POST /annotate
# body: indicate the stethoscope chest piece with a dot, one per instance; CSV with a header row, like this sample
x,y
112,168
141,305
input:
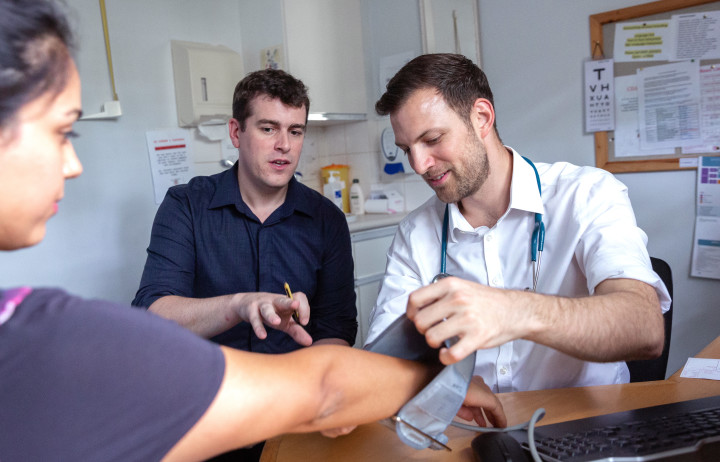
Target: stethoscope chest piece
x,y
440,276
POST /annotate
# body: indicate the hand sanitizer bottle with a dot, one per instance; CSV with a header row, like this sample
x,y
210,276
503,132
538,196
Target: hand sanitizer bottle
x,y
333,189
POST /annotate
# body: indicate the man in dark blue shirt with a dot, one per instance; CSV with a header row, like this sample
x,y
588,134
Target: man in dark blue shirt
x,y
223,246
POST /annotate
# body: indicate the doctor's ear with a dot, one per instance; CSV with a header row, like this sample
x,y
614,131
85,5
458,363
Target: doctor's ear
x,y
483,116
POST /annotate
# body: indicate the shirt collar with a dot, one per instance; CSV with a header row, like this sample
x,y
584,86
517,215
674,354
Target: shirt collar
x,y
524,195
9,300
228,193
298,199
524,192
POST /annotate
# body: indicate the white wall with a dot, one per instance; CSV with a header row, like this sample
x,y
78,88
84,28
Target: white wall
x,y
533,54
395,27
96,244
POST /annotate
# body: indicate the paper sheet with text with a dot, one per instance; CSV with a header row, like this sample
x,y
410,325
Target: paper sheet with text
x,y
706,242
700,368
169,159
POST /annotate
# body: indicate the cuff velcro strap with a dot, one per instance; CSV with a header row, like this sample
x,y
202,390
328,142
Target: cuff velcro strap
x,y
420,423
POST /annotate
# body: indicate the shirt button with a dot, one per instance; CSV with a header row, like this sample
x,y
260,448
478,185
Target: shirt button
x,y
495,281
489,237
503,371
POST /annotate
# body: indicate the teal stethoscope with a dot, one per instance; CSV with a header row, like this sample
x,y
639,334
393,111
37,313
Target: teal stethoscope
x,y
537,240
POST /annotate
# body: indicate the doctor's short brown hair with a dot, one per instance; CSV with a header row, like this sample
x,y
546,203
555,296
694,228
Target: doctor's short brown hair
x,y
460,82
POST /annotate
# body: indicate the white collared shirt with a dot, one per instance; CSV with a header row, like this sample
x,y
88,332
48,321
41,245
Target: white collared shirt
x,y
591,235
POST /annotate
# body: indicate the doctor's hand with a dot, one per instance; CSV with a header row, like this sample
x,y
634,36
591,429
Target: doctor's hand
x,y
480,316
482,406
275,310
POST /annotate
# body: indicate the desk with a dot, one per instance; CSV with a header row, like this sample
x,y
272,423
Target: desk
x,y
375,442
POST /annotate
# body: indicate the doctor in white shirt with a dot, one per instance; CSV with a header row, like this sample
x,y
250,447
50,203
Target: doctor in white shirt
x,y
552,280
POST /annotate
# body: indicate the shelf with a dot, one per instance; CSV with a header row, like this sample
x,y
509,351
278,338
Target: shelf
x,y
372,221
334,118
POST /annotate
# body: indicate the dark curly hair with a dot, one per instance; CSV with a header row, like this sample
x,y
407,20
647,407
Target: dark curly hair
x,y
271,82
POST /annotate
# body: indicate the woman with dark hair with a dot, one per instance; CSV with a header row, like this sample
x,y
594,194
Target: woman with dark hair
x,y
92,380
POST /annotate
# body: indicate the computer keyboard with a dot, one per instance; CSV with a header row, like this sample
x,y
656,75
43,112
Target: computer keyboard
x,y
685,431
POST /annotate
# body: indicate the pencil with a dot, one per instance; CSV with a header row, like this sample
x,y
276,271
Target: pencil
x,y
289,294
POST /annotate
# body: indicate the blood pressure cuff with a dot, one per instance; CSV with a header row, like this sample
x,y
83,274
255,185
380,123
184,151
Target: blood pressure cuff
x,y
431,410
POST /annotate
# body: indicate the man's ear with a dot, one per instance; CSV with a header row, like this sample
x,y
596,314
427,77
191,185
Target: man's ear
x,y
234,128
483,116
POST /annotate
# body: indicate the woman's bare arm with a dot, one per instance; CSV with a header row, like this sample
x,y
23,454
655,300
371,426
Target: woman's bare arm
x,y
324,387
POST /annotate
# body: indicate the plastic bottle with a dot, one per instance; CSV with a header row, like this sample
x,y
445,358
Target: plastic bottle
x,y
333,189
357,199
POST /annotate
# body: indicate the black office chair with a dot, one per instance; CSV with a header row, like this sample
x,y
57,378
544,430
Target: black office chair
x,y
654,369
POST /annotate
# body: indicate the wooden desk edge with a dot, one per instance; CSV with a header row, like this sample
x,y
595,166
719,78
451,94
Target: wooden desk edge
x,y
271,450
562,404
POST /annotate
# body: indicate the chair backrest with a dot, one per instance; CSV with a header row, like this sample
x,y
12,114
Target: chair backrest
x,y
655,369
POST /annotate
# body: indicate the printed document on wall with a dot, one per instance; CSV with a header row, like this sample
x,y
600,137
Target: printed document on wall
x,y
627,131
669,105
709,111
644,41
706,243
169,159
696,36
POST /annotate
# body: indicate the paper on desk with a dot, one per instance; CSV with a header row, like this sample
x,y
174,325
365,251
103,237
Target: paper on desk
x,y
700,368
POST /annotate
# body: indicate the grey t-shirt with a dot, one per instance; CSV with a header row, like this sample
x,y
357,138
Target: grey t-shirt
x,y
91,380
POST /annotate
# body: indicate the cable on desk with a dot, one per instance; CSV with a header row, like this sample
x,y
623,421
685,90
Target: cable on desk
x,y
529,425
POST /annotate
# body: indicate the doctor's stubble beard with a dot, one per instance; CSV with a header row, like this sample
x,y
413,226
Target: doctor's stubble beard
x,y
469,174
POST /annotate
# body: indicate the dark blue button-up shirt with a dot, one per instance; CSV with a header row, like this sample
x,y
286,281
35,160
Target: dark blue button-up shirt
x,y
207,242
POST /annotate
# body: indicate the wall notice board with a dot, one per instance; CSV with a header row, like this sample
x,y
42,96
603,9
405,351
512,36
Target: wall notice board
x,y
602,34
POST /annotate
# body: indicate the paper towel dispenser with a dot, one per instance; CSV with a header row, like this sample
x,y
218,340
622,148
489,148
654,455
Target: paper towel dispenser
x,y
205,78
